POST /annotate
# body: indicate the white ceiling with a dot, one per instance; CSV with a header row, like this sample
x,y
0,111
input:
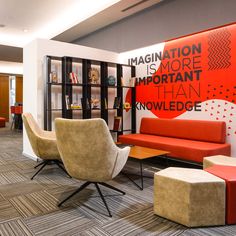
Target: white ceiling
x,y
62,20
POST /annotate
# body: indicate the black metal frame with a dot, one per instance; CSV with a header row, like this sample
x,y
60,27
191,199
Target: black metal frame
x,y
49,162
141,176
67,89
99,191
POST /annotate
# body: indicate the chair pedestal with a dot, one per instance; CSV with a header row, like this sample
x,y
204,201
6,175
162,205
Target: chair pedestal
x,y
49,162
99,191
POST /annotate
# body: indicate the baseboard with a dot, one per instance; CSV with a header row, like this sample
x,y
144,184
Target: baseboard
x,y
30,156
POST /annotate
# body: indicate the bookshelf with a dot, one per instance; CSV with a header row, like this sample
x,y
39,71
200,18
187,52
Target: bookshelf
x,y
84,84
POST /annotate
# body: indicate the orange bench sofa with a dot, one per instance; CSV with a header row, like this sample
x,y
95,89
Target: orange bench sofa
x,y
189,140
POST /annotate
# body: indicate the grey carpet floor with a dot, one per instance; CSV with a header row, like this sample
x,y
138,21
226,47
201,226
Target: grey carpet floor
x,y
30,207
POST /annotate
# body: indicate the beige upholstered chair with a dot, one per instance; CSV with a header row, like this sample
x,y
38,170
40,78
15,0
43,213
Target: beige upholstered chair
x,y
43,143
89,153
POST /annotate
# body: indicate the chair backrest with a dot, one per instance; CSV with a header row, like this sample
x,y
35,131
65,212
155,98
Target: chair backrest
x,y
33,131
88,150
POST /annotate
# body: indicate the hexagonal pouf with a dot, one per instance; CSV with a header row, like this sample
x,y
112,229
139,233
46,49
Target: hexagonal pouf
x,y
190,197
218,160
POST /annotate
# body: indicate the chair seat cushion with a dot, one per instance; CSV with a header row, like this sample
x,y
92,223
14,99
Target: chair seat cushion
x,y
190,150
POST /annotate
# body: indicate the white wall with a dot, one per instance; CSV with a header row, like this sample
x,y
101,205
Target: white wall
x,y
34,74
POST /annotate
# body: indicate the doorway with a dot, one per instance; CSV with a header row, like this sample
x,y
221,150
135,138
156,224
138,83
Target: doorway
x,y
11,93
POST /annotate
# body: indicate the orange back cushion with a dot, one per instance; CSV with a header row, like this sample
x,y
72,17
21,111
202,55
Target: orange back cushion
x,y
202,130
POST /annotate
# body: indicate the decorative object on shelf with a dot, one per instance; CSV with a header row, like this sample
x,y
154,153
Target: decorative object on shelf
x,y
117,123
111,80
126,105
53,77
68,105
93,76
74,78
117,102
95,103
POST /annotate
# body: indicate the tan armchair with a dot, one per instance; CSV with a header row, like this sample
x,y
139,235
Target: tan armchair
x,y
89,153
43,143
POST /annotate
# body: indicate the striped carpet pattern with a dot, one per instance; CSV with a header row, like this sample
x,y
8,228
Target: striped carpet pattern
x,y
29,208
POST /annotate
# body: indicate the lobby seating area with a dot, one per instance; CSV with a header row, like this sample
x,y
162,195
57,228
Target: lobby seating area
x,y
30,207
118,118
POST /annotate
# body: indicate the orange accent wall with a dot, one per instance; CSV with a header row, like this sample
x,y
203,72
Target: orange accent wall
x,y
19,89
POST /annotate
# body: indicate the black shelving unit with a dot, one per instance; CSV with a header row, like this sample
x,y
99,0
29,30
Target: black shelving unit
x,y
87,89
49,85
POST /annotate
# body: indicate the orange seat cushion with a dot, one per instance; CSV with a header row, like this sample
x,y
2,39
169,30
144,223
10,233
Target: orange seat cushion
x,y
186,149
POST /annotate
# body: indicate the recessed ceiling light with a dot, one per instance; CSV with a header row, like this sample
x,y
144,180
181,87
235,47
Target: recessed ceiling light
x,y
25,30
2,25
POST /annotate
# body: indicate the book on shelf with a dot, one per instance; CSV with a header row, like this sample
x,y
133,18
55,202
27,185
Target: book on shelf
x,y
117,102
122,81
74,78
75,106
131,82
68,105
105,103
117,123
85,103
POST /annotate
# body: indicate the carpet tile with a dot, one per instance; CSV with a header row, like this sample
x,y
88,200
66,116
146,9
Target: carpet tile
x,y
29,207
34,203
65,222
15,228
7,211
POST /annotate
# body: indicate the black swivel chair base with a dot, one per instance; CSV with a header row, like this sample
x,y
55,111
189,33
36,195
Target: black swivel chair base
x,y
49,162
99,191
